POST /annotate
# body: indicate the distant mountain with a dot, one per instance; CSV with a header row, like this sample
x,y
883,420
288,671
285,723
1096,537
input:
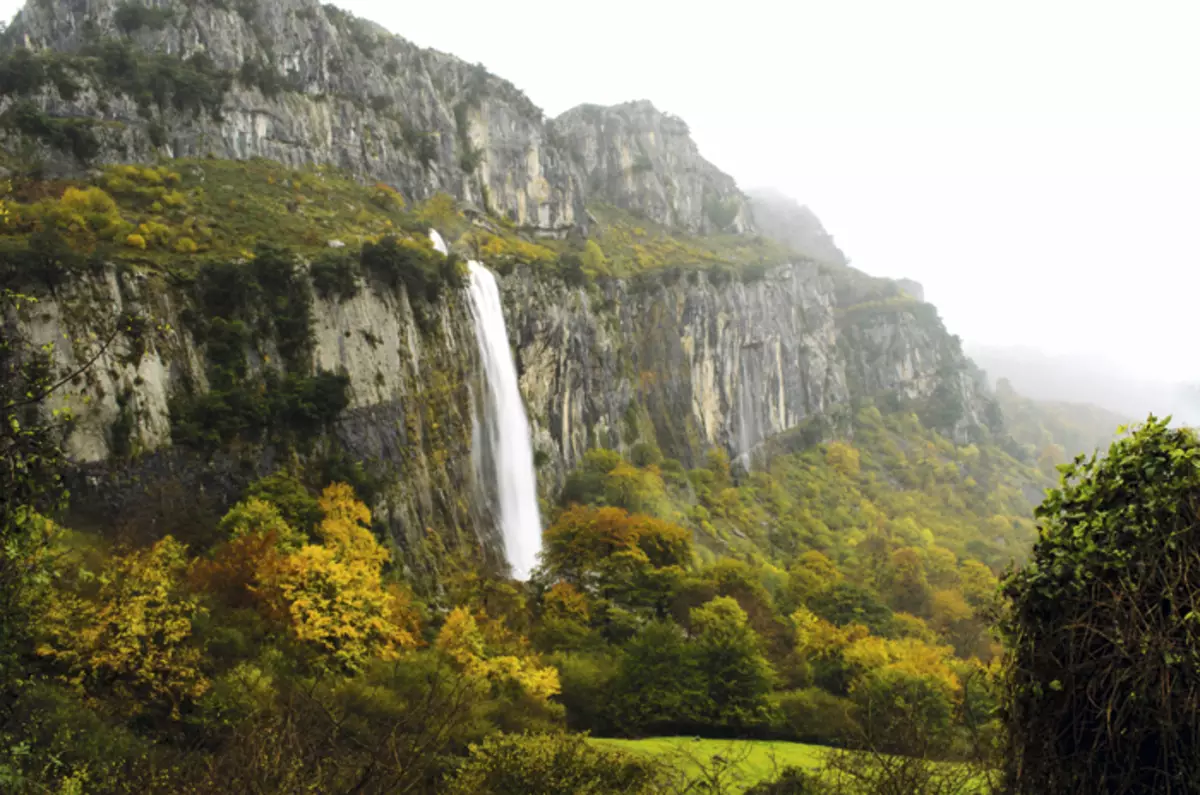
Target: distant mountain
x,y
1082,380
1053,432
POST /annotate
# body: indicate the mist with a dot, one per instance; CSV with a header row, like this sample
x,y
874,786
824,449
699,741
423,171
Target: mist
x,y
1083,379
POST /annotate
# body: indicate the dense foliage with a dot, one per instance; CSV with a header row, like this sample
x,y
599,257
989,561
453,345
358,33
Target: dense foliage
x,y
1105,679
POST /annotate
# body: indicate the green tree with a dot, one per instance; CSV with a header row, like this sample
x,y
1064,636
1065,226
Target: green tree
x,y
728,656
31,466
1104,666
659,686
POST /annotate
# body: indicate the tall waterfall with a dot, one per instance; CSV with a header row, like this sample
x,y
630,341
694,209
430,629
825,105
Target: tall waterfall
x,y
505,427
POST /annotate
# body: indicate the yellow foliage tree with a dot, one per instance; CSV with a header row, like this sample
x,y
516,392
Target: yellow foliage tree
x,y
332,595
464,642
132,635
843,458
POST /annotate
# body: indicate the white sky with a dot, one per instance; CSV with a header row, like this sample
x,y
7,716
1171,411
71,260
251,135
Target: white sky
x,y
1036,165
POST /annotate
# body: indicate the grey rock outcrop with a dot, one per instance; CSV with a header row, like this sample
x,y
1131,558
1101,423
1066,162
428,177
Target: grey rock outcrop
x,y
692,364
641,159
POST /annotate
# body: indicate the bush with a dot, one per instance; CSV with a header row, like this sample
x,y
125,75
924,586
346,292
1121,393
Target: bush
x,y
131,17
335,276
292,409
902,712
73,136
551,764
413,264
1103,678
813,715
792,781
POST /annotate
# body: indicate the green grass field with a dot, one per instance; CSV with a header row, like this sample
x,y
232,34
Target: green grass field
x,y
751,761
748,762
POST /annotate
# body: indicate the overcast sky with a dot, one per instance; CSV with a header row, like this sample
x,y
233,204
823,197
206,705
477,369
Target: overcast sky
x,y
1034,164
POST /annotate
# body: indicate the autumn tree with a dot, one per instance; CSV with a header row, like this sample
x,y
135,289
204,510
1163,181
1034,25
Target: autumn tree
x,y
463,641
31,466
330,596
129,631
609,553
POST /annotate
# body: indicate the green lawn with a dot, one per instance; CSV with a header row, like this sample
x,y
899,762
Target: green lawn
x,y
750,761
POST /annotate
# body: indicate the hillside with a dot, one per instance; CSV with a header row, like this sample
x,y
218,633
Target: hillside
x,y
254,511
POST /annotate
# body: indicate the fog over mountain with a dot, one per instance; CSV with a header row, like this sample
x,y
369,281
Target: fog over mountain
x,y
1087,379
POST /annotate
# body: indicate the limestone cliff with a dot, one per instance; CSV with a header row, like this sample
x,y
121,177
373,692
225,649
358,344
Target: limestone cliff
x,y
691,364
681,360
643,160
303,83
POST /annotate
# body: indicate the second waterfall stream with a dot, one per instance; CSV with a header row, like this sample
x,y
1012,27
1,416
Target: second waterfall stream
x,y
505,426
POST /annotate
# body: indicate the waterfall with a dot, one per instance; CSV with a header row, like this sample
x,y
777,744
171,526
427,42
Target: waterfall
x,y
505,428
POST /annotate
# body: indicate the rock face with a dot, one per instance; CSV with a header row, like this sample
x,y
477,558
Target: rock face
x,y
307,83
791,223
680,361
640,159
691,364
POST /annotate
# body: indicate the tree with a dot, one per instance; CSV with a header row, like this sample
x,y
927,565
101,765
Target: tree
x,y
462,640
30,477
612,553
32,462
729,658
659,686
1103,679
332,597
132,635
329,596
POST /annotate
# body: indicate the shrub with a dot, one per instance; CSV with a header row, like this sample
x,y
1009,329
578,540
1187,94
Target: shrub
x,y
412,263
813,715
551,764
136,241
131,17
292,409
74,136
1103,678
335,276
903,712
792,781
387,198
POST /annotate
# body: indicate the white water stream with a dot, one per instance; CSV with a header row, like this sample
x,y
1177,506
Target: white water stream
x,y
505,426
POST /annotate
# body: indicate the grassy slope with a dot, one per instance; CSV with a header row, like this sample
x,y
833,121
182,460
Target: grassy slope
x,y
755,760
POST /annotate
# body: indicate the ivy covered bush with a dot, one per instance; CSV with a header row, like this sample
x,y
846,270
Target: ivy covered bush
x,y
1104,631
